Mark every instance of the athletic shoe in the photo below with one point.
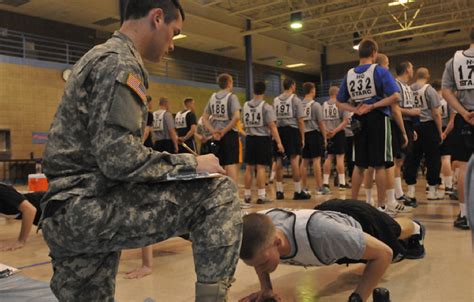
(384, 209)
(324, 190)
(415, 244)
(461, 223)
(398, 207)
(244, 205)
(436, 195)
(248, 199)
(454, 195)
(263, 200)
(301, 195)
(344, 187)
(448, 191)
(410, 201)
(280, 195)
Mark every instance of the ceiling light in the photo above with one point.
(356, 40)
(398, 2)
(180, 36)
(295, 65)
(356, 47)
(296, 20)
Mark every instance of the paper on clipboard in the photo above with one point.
(190, 176)
(6, 270)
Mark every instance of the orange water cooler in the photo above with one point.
(37, 182)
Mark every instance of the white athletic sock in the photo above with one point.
(368, 196)
(342, 179)
(272, 175)
(416, 228)
(390, 196)
(462, 206)
(326, 179)
(247, 193)
(443, 180)
(398, 187)
(297, 185)
(279, 186)
(411, 191)
(448, 182)
(261, 193)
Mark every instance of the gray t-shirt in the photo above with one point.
(466, 97)
(445, 111)
(333, 235)
(348, 130)
(233, 104)
(268, 117)
(311, 123)
(332, 115)
(432, 101)
(298, 112)
(168, 123)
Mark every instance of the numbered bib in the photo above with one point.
(158, 120)
(180, 119)
(330, 112)
(444, 109)
(419, 98)
(253, 116)
(406, 100)
(219, 107)
(284, 108)
(308, 111)
(361, 86)
(463, 68)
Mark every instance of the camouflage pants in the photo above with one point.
(86, 235)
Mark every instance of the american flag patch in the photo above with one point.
(134, 83)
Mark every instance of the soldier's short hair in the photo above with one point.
(259, 88)
(333, 90)
(402, 67)
(163, 101)
(137, 9)
(436, 85)
(187, 101)
(223, 80)
(258, 233)
(367, 48)
(307, 87)
(422, 73)
(287, 83)
(381, 59)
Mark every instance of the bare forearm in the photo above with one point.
(322, 126)
(265, 282)
(27, 218)
(346, 107)
(274, 132)
(230, 126)
(373, 273)
(437, 119)
(301, 127)
(397, 116)
(190, 134)
(451, 99)
(388, 101)
(207, 124)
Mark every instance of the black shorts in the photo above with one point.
(337, 144)
(291, 141)
(313, 144)
(446, 147)
(373, 222)
(410, 130)
(373, 143)
(462, 149)
(258, 150)
(229, 150)
(397, 140)
(165, 145)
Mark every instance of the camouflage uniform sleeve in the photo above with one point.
(117, 116)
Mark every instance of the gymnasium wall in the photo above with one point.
(29, 96)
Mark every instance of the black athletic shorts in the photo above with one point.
(373, 143)
(397, 140)
(165, 145)
(258, 150)
(313, 144)
(373, 222)
(229, 150)
(461, 140)
(291, 141)
(337, 143)
(446, 147)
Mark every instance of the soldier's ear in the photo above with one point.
(158, 15)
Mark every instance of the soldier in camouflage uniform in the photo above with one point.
(105, 192)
